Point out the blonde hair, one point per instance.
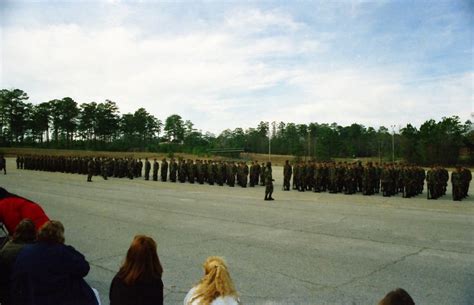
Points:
(215, 283)
(51, 231)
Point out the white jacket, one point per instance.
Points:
(227, 300)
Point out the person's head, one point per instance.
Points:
(52, 232)
(25, 231)
(3, 193)
(397, 297)
(215, 283)
(142, 261)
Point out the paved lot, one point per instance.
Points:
(303, 248)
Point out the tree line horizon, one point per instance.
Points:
(66, 124)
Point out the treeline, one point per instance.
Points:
(63, 123)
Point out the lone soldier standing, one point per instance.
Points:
(147, 169)
(3, 164)
(268, 182)
(156, 166)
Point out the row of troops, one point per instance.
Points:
(349, 178)
(372, 178)
(192, 171)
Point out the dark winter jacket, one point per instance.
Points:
(51, 274)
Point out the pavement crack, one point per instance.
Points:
(197, 241)
(106, 257)
(383, 267)
(103, 268)
(296, 278)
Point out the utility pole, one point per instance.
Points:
(380, 152)
(309, 144)
(393, 143)
(269, 142)
(270, 132)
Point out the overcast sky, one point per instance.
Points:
(225, 64)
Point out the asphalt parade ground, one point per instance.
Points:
(302, 248)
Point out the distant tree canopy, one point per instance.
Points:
(63, 123)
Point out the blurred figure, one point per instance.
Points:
(215, 288)
(138, 281)
(397, 297)
(25, 233)
(49, 272)
(3, 164)
(268, 182)
(14, 209)
(287, 171)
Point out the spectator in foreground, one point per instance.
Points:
(138, 281)
(14, 209)
(215, 288)
(25, 233)
(397, 297)
(49, 272)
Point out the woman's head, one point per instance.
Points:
(25, 231)
(51, 231)
(142, 261)
(215, 283)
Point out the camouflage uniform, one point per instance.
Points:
(147, 169)
(287, 171)
(268, 182)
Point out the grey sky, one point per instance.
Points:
(227, 65)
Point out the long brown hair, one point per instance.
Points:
(215, 283)
(142, 261)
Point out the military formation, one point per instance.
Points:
(193, 171)
(388, 179)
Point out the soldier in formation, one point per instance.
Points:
(164, 169)
(20, 162)
(460, 180)
(147, 169)
(156, 167)
(287, 171)
(437, 182)
(104, 168)
(90, 169)
(173, 170)
(268, 182)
